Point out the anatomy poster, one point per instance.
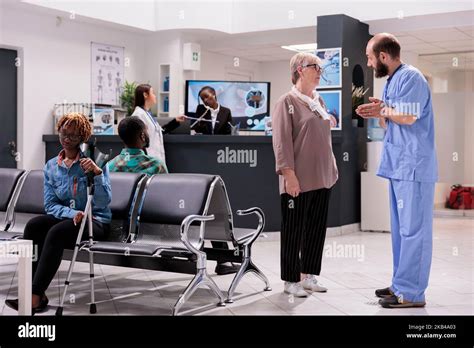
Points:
(107, 69)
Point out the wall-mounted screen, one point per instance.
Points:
(249, 102)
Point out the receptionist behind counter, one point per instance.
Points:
(214, 118)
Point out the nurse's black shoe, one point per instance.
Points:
(383, 293)
(394, 302)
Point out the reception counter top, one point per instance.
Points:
(246, 164)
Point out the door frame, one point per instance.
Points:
(19, 102)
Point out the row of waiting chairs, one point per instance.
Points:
(165, 219)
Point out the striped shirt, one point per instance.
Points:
(136, 161)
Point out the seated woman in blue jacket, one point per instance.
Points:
(65, 196)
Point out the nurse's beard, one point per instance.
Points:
(381, 70)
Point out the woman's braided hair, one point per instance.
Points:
(79, 122)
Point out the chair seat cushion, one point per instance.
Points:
(138, 249)
(125, 248)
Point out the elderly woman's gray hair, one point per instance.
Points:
(301, 59)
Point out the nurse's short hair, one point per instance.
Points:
(388, 43)
(301, 59)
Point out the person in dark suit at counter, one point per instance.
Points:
(217, 119)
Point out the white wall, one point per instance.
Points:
(164, 48)
(216, 66)
(278, 73)
(469, 129)
(56, 67)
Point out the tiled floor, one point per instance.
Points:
(354, 265)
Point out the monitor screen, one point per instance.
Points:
(249, 102)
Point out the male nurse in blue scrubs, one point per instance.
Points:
(409, 163)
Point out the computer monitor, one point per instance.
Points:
(249, 102)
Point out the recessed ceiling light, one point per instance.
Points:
(311, 47)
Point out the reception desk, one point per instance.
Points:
(246, 163)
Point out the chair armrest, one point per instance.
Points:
(188, 220)
(261, 222)
(135, 206)
(10, 213)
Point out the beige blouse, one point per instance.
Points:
(302, 142)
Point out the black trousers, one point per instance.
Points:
(303, 231)
(52, 236)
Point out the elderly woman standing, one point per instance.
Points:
(307, 170)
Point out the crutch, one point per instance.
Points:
(86, 218)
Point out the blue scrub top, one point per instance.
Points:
(409, 151)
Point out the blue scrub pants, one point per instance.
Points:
(411, 219)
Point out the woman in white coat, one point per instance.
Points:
(145, 98)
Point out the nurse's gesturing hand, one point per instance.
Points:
(373, 109)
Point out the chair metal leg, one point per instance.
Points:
(238, 277)
(213, 286)
(190, 289)
(201, 278)
(253, 268)
(247, 266)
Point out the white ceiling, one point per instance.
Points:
(262, 46)
(434, 45)
(450, 35)
(244, 16)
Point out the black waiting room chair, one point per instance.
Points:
(171, 224)
(222, 229)
(177, 213)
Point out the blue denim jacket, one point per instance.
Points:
(65, 191)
